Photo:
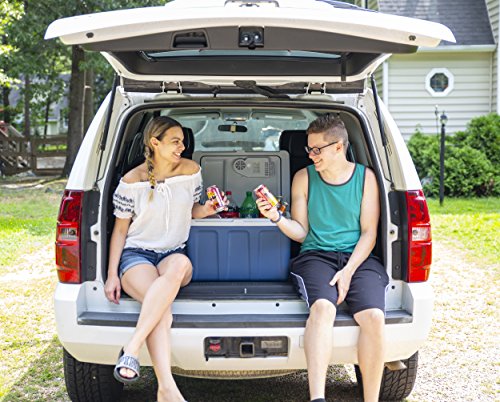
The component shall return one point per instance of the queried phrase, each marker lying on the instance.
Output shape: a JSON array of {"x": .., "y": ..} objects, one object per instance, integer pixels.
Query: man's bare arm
[
  {"x": 370, "y": 212},
  {"x": 297, "y": 227}
]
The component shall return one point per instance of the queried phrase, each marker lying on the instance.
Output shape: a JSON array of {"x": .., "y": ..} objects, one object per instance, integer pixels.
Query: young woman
[{"x": 153, "y": 205}]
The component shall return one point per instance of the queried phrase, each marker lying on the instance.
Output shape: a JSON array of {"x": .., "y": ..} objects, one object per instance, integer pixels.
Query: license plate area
[{"x": 245, "y": 347}]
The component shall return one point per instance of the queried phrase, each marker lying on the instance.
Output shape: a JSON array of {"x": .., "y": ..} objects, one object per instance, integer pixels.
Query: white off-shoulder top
[{"x": 162, "y": 223}]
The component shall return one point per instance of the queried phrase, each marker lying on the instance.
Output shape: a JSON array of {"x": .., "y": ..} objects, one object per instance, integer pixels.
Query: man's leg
[
  {"x": 318, "y": 342},
  {"x": 371, "y": 351}
]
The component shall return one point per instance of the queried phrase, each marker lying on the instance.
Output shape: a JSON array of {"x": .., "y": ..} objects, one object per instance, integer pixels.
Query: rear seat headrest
[
  {"x": 294, "y": 142},
  {"x": 188, "y": 142}
]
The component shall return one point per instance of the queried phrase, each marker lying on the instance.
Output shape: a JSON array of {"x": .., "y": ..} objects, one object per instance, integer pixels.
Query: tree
[
  {"x": 10, "y": 12},
  {"x": 77, "y": 122},
  {"x": 41, "y": 64}
]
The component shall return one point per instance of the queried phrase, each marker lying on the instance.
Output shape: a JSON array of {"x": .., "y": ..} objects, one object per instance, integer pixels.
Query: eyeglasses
[{"x": 317, "y": 150}]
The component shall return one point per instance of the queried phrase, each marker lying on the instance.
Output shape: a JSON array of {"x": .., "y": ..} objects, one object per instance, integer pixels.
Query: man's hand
[
  {"x": 343, "y": 280},
  {"x": 267, "y": 210}
]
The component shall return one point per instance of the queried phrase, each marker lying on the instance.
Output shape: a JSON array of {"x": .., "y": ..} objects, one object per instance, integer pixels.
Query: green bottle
[{"x": 249, "y": 208}]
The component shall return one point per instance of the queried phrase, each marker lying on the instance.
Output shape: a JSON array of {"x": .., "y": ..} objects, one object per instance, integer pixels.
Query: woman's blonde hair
[{"x": 156, "y": 128}]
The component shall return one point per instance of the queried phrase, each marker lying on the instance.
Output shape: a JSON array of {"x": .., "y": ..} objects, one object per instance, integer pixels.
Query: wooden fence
[{"x": 41, "y": 156}]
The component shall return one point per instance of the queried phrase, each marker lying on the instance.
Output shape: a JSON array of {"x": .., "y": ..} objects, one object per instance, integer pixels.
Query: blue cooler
[{"x": 238, "y": 250}]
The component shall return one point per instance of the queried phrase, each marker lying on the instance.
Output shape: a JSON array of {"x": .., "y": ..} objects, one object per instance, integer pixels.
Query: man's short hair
[{"x": 331, "y": 126}]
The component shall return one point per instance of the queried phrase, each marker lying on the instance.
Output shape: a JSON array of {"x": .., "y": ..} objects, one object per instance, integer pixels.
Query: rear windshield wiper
[{"x": 261, "y": 89}]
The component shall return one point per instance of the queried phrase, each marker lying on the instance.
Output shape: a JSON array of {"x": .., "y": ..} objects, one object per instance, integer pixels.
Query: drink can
[
  {"x": 283, "y": 206},
  {"x": 263, "y": 192},
  {"x": 215, "y": 195}
]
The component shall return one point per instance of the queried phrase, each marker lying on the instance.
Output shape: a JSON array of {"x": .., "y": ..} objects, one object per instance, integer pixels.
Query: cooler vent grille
[
  {"x": 254, "y": 167},
  {"x": 240, "y": 164}
]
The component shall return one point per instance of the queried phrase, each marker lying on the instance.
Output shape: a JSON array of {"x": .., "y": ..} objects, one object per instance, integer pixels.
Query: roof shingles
[{"x": 467, "y": 19}]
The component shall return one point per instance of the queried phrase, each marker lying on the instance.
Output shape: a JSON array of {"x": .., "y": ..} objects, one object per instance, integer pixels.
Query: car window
[{"x": 242, "y": 129}]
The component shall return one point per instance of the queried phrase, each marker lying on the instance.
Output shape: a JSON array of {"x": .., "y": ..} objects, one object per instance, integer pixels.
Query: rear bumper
[{"x": 93, "y": 330}]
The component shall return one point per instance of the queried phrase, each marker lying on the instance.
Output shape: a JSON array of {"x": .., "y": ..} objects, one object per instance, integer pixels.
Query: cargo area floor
[{"x": 238, "y": 290}]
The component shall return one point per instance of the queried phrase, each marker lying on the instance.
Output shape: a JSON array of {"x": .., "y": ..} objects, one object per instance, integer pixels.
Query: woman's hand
[
  {"x": 267, "y": 210},
  {"x": 112, "y": 289},
  {"x": 210, "y": 204}
]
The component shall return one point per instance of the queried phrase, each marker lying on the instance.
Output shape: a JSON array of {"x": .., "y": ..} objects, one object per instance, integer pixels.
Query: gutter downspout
[
  {"x": 492, "y": 60},
  {"x": 498, "y": 72}
]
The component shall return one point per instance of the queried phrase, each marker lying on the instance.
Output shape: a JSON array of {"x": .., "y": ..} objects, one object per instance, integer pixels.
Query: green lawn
[
  {"x": 471, "y": 224},
  {"x": 27, "y": 219},
  {"x": 30, "y": 354}
]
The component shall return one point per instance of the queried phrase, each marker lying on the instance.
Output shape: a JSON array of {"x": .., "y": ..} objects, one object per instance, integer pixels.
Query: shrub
[
  {"x": 468, "y": 171},
  {"x": 424, "y": 150},
  {"x": 482, "y": 133}
]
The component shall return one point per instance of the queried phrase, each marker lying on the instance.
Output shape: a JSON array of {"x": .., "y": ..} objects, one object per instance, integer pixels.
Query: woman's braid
[
  {"x": 156, "y": 128},
  {"x": 150, "y": 167}
]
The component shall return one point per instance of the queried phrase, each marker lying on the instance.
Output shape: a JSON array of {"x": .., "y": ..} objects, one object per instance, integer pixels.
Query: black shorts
[{"x": 313, "y": 271}]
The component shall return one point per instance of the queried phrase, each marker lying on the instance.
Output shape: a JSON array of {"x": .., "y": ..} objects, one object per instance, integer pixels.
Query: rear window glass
[{"x": 241, "y": 129}]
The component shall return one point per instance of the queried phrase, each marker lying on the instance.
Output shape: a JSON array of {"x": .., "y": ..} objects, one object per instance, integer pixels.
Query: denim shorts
[{"x": 136, "y": 256}]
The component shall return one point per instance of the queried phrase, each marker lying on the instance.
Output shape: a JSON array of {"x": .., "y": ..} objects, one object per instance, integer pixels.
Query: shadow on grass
[{"x": 44, "y": 381}]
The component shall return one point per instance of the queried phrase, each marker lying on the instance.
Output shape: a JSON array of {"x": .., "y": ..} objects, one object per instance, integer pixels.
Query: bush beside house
[{"x": 471, "y": 159}]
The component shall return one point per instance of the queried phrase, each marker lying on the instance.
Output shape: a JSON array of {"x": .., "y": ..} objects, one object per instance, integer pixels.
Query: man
[{"x": 335, "y": 213}]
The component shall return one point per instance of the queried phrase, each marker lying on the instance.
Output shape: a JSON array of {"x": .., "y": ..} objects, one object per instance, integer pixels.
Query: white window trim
[{"x": 451, "y": 82}]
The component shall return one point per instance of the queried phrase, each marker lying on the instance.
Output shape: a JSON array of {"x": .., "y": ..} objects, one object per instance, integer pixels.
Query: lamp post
[{"x": 443, "y": 119}]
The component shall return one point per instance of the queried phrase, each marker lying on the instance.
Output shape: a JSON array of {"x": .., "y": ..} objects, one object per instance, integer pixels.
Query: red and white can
[
  {"x": 215, "y": 195},
  {"x": 263, "y": 192}
]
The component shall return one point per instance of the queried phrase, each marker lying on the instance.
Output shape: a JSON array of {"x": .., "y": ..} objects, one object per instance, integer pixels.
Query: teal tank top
[{"x": 334, "y": 212}]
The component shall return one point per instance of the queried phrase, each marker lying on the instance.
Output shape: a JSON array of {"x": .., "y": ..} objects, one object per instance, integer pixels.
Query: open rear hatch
[{"x": 217, "y": 42}]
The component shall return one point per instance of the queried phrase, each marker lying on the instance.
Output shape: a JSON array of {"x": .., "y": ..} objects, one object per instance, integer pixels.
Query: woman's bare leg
[
  {"x": 157, "y": 290},
  {"x": 160, "y": 351},
  {"x": 136, "y": 282}
]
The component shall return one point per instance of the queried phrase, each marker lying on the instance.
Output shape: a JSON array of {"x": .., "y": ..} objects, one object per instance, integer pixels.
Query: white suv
[{"x": 244, "y": 78}]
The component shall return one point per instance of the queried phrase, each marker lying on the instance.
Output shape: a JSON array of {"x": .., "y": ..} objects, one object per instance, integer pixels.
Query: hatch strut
[
  {"x": 104, "y": 138},
  {"x": 381, "y": 127},
  {"x": 343, "y": 67}
]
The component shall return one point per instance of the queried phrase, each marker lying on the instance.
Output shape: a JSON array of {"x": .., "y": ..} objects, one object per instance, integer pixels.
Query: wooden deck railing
[{"x": 22, "y": 154}]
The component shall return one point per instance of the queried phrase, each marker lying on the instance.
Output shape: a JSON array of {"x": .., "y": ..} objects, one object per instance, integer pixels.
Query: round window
[{"x": 439, "y": 82}]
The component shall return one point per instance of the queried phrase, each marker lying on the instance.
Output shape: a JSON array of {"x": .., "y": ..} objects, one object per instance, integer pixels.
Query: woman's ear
[{"x": 154, "y": 142}]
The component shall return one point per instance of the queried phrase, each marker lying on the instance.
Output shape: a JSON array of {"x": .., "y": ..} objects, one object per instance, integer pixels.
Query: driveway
[{"x": 458, "y": 363}]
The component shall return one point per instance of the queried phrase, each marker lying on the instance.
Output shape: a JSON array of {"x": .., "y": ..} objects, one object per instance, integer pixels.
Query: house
[
  {"x": 460, "y": 78},
  {"x": 57, "y": 123}
]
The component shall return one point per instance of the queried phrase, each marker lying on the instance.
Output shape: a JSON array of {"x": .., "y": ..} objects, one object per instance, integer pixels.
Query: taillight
[
  {"x": 68, "y": 237},
  {"x": 419, "y": 237}
]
